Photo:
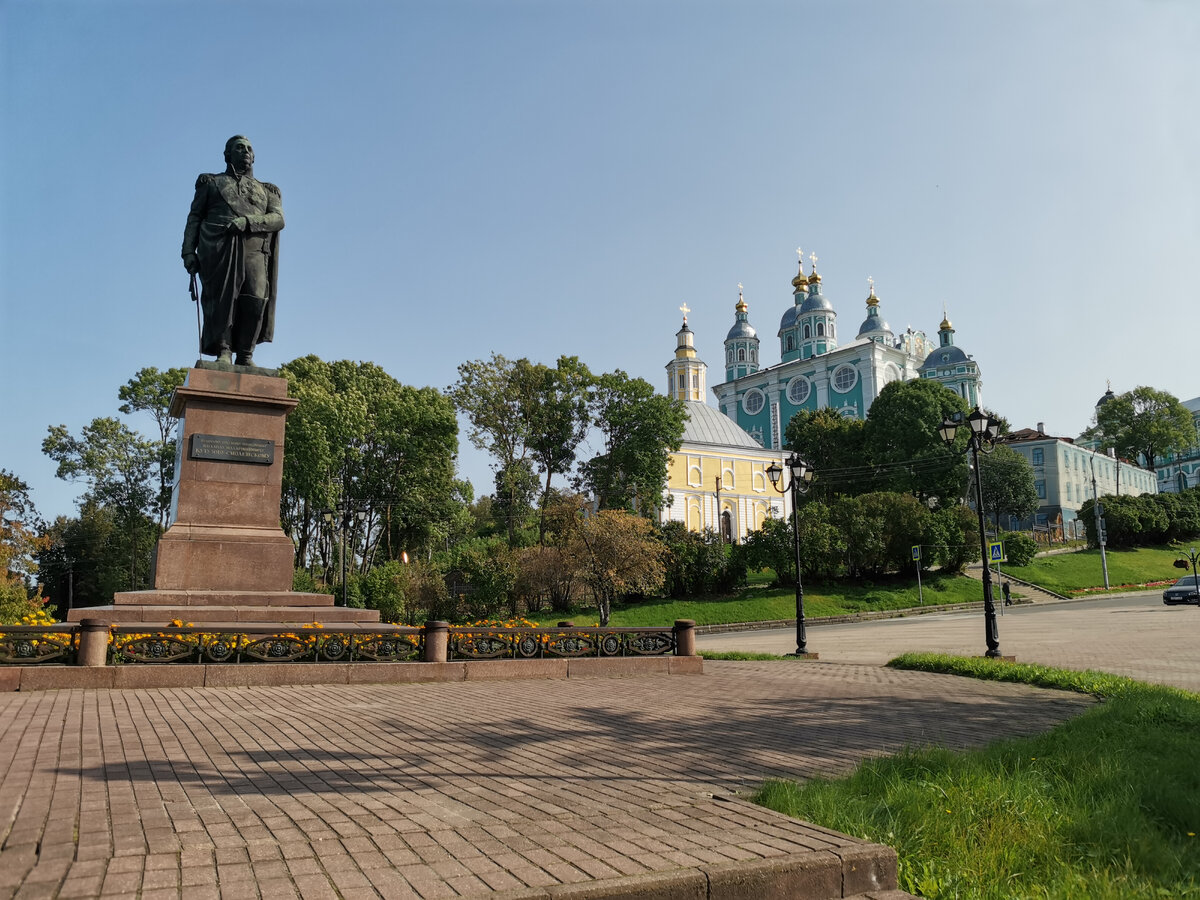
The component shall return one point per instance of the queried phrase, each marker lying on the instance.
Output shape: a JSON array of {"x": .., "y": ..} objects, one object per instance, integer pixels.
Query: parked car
[{"x": 1182, "y": 591}]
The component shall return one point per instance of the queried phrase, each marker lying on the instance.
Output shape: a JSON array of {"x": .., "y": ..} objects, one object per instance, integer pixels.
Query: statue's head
[{"x": 238, "y": 152}]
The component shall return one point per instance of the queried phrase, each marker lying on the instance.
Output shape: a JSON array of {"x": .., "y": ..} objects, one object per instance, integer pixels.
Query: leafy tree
[
  {"x": 699, "y": 562},
  {"x": 358, "y": 436},
  {"x": 494, "y": 395},
  {"x": 1145, "y": 422},
  {"x": 85, "y": 559},
  {"x": 557, "y": 417},
  {"x": 951, "y": 538},
  {"x": 150, "y": 391},
  {"x": 902, "y": 440},
  {"x": 616, "y": 553},
  {"x": 641, "y": 429},
  {"x": 1008, "y": 484},
  {"x": 516, "y": 488},
  {"x": 833, "y": 445},
  {"x": 771, "y": 546},
  {"x": 20, "y": 543},
  {"x": 118, "y": 466}
]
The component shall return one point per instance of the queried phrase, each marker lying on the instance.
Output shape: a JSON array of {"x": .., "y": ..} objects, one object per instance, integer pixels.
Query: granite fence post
[
  {"x": 437, "y": 641},
  {"x": 685, "y": 637},
  {"x": 93, "y": 642}
]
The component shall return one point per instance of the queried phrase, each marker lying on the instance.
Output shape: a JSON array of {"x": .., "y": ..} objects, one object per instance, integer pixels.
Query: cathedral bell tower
[
  {"x": 686, "y": 378},
  {"x": 741, "y": 344}
]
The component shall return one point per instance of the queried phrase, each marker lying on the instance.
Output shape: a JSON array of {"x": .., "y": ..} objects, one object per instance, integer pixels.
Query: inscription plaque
[{"x": 233, "y": 449}]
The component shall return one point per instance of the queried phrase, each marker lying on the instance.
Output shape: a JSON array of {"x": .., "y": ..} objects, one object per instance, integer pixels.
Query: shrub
[{"x": 1019, "y": 548}]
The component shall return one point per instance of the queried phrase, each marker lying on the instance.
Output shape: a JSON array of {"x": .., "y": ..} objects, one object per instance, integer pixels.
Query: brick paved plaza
[{"x": 444, "y": 790}]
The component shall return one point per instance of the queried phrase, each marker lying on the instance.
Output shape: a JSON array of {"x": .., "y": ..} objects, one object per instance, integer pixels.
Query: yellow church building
[{"x": 718, "y": 477}]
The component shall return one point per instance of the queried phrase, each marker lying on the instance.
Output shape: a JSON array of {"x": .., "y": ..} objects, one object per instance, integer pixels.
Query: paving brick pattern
[{"x": 449, "y": 790}]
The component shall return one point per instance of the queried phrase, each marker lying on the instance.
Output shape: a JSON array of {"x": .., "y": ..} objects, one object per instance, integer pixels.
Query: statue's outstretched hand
[
  {"x": 191, "y": 262},
  {"x": 239, "y": 224}
]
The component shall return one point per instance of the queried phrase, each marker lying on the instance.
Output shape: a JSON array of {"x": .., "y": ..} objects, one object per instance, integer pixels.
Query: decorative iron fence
[
  {"x": 467, "y": 642},
  {"x": 96, "y": 643},
  {"x": 135, "y": 644},
  {"x": 33, "y": 645}
]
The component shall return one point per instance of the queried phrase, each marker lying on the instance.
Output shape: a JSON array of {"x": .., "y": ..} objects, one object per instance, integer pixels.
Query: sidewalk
[{"x": 626, "y": 786}]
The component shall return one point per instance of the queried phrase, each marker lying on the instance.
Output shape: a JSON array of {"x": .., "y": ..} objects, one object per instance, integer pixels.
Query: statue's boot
[
  {"x": 247, "y": 323},
  {"x": 225, "y": 356}
]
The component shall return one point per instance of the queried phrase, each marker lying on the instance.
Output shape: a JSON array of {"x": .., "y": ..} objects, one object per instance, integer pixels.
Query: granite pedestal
[{"x": 224, "y": 557}]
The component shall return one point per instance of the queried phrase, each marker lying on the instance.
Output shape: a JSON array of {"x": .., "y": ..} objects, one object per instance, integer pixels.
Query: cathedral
[
  {"x": 718, "y": 479},
  {"x": 816, "y": 372}
]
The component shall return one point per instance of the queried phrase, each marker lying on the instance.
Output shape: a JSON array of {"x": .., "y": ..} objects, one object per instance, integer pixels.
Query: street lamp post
[
  {"x": 802, "y": 476},
  {"x": 346, "y": 511},
  {"x": 982, "y": 437}
]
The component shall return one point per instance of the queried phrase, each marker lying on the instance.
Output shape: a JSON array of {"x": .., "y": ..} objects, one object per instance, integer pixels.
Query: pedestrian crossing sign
[
  {"x": 996, "y": 551},
  {"x": 917, "y": 552}
]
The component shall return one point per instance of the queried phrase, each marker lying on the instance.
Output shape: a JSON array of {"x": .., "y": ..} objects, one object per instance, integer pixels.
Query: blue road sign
[{"x": 996, "y": 551}]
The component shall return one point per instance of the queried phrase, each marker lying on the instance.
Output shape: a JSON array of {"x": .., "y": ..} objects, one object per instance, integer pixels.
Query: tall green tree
[
  {"x": 557, "y": 416},
  {"x": 150, "y": 391},
  {"x": 1009, "y": 488},
  {"x": 903, "y": 443},
  {"x": 834, "y": 446},
  {"x": 359, "y": 437},
  {"x": 86, "y": 557},
  {"x": 1145, "y": 422},
  {"x": 494, "y": 395},
  {"x": 118, "y": 466},
  {"x": 641, "y": 429}
]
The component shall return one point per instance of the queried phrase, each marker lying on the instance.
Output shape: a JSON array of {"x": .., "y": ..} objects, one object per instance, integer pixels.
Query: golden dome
[{"x": 872, "y": 298}]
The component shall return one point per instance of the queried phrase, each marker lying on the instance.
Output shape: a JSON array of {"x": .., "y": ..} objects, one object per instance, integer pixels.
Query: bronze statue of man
[{"x": 232, "y": 241}]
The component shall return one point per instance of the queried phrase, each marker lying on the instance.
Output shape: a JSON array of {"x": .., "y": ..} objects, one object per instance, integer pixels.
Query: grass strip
[
  {"x": 1106, "y": 805},
  {"x": 740, "y": 655}
]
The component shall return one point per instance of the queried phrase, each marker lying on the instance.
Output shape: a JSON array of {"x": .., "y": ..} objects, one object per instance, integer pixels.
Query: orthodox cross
[{"x": 684, "y": 309}]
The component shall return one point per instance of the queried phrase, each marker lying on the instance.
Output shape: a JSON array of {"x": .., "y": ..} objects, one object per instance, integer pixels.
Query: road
[{"x": 1130, "y": 634}]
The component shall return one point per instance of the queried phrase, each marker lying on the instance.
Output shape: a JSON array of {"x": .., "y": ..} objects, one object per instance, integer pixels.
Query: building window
[
  {"x": 682, "y": 380},
  {"x": 1039, "y": 456},
  {"x": 1041, "y": 489},
  {"x": 798, "y": 390},
  {"x": 807, "y": 331},
  {"x": 696, "y": 380},
  {"x": 820, "y": 329},
  {"x": 845, "y": 378},
  {"x": 789, "y": 342},
  {"x": 753, "y": 401},
  {"x": 741, "y": 356},
  {"x": 753, "y": 355}
]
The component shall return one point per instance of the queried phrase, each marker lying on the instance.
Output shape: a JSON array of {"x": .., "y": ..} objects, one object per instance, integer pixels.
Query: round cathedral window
[
  {"x": 845, "y": 378},
  {"x": 798, "y": 390},
  {"x": 753, "y": 401}
]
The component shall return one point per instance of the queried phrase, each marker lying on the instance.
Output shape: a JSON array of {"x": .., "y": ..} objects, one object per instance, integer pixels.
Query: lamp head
[
  {"x": 947, "y": 430},
  {"x": 773, "y": 472},
  {"x": 799, "y": 467},
  {"x": 978, "y": 420}
]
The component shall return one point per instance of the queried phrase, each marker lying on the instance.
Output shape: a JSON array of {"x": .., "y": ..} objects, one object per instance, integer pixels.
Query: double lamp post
[
  {"x": 981, "y": 438},
  {"x": 801, "y": 479}
]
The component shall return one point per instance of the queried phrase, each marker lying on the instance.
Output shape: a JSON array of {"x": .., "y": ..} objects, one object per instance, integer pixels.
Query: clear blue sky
[{"x": 546, "y": 177}]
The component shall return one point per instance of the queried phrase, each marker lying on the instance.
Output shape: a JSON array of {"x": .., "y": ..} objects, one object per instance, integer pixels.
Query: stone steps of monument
[
  {"x": 192, "y": 598},
  {"x": 232, "y": 615}
]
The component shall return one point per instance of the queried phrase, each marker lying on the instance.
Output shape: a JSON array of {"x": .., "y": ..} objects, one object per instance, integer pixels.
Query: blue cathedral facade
[{"x": 815, "y": 371}]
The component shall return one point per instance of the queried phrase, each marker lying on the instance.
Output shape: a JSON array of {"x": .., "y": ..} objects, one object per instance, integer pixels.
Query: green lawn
[
  {"x": 763, "y": 603},
  {"x": 1106, "y": 805},
  {"x": 1076, "y": 573}
]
